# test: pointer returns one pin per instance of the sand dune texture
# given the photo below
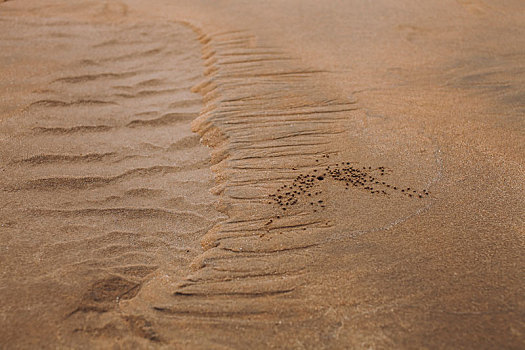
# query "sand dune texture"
(296, 174)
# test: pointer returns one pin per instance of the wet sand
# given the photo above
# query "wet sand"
(230, 175)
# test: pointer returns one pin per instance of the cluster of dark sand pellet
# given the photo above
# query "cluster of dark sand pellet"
(305, 187)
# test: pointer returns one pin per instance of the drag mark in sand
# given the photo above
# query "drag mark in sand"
(272, 128)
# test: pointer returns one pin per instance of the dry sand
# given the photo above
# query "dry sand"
(358, 181)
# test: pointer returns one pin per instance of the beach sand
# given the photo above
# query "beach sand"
(239, 174)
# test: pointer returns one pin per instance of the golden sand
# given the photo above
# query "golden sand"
(358, 181)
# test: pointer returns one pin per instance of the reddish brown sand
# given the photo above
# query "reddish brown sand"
(358, 181)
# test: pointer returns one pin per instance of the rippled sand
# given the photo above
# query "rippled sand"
(298, 174)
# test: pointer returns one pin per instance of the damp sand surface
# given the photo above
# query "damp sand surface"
(182, 174)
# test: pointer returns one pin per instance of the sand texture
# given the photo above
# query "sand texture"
(242, 174)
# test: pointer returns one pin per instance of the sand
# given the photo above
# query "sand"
(233, 174)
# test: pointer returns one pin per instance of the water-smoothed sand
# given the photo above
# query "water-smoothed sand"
(358, 181)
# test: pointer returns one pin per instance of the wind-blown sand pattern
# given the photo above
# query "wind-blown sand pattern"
(176, 178)
(96, 182)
